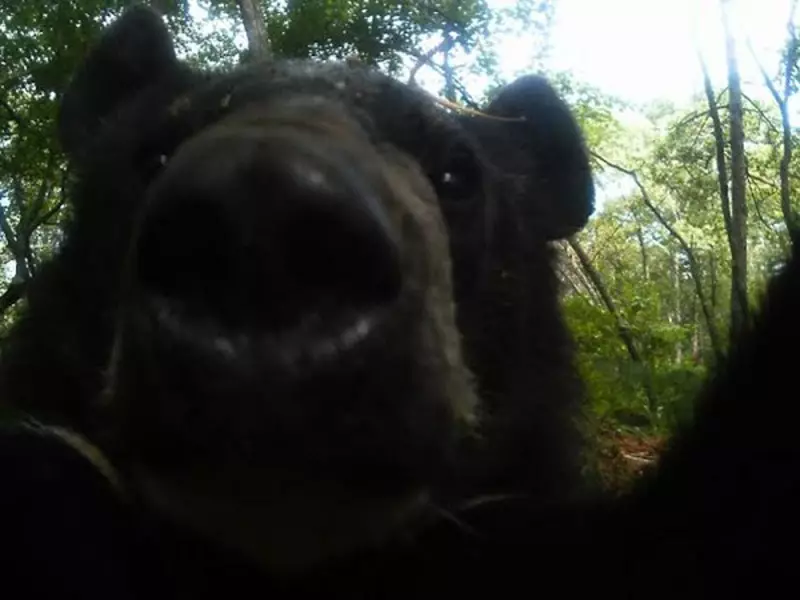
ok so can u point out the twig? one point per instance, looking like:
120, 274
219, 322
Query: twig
444, 46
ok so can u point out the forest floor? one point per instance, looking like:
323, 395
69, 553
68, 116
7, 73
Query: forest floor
621, 455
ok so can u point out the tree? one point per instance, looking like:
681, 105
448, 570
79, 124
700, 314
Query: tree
257, 40
622, 327
782, 100
739, 302
694, 268
41, 45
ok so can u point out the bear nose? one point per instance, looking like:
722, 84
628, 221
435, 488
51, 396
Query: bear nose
266, 230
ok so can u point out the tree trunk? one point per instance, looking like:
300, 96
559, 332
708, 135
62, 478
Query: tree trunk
739, 303
258, 44
643, 253
790, 217
622, 327
449, 75
695, 341
697, 352
714, 284
677, 318
13, 293
719, 139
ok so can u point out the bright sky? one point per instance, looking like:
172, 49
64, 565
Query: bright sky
641, 50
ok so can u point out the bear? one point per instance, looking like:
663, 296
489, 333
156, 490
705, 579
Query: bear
317, 309
303, 335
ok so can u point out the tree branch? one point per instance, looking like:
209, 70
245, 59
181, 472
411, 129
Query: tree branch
445, 45
765, 118
13, 114
13, 293
782, 100
5, 227
722, 168
466, 97
694, 266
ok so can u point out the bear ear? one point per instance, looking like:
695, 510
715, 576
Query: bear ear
132, 53
539, 145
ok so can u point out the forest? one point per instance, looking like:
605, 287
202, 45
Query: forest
697, 199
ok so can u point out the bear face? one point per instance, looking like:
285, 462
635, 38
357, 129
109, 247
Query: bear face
298, 300
172, 325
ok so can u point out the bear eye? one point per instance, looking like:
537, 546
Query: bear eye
461, 178
152, 164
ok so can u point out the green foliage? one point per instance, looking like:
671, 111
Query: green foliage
41, 45
595, 111
615, 384
379, 32
648, 271
602, 359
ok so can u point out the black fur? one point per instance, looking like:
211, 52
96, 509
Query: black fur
499, 218
716, 519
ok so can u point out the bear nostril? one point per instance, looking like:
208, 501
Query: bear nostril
265, 238
184, 250
327, 250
